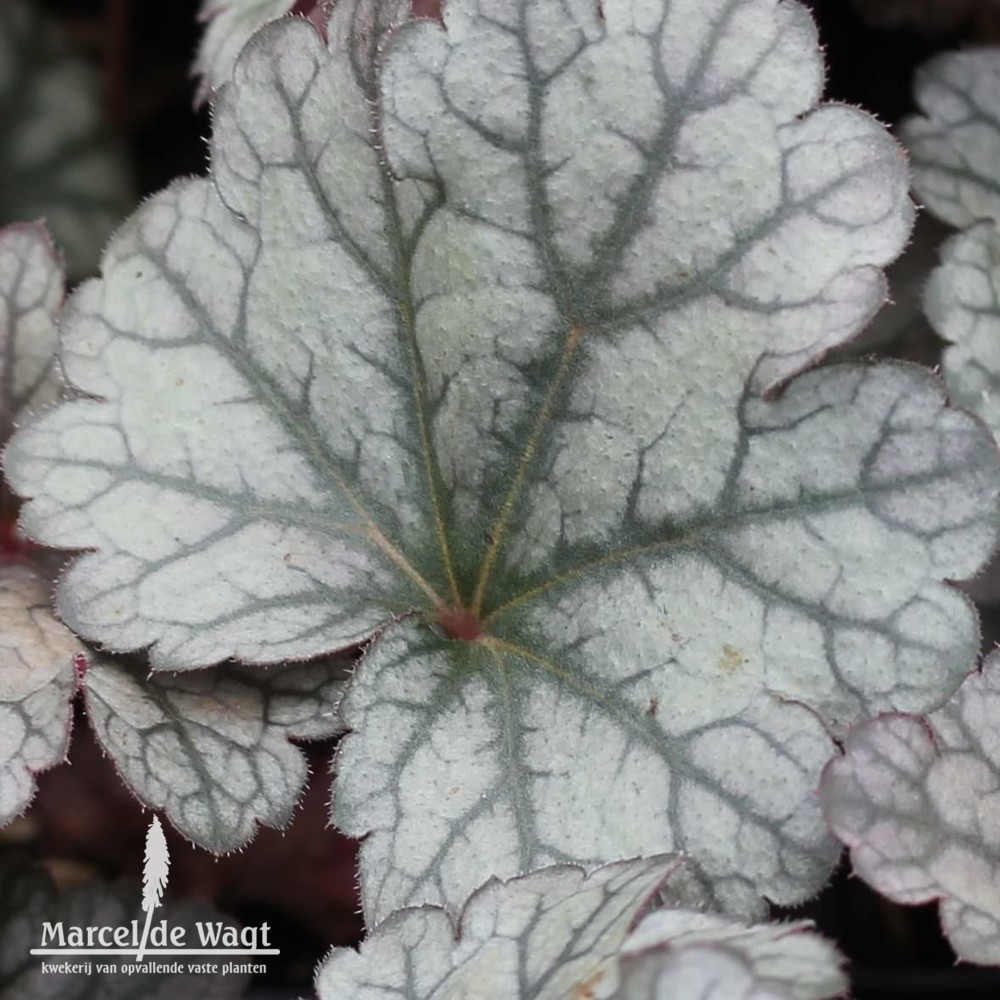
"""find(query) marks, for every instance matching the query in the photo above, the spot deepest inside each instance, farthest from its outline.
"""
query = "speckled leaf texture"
(556, 934)
(917, 801)
(212, 748)
(57, 160)
(28, 898)
(473, 348)
(37, 677)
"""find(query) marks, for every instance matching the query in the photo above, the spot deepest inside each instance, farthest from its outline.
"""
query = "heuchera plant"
(918, 800)
(480, 347)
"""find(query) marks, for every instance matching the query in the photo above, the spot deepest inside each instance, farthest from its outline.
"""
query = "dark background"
(86, 824)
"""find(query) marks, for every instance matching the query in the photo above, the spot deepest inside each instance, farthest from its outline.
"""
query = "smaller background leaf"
(211, 748)
(32, 286)
(37, 682)
(954, 145)
(918, 803)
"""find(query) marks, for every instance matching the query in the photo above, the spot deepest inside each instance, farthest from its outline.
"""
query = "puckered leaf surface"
(28, 899)
(211, 748)
(918, 803)
(56, 159)
(954, 145)
(37, 683)
(468, 342)
(556, 933)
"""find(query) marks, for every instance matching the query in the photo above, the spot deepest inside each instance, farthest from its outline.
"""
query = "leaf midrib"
(275, 402)
(403, 298)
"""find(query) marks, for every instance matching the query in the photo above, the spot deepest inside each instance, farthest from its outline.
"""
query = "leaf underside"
(32, 286)
(37, 684)
(37, 679)
(212, 748)
(956, 172)
(471, 342)
(962, 302)
(953, 144)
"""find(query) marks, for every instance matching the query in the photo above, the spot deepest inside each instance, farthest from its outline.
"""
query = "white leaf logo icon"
(154, 876)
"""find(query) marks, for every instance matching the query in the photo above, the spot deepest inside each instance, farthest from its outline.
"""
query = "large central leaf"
(479, 334)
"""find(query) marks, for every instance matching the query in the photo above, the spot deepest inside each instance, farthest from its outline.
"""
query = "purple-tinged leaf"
(918, 804)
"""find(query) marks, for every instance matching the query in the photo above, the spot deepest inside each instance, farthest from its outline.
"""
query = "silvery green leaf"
(549, 934)
(554, 934)
(682, 682)
(917, 801)
(474, 347)
(211, 749)
(678, 953)
(32, 285)
(28, 898)
(229, 25)
(37, 683)
(56, 159)
(955, 142)
(962, 301)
